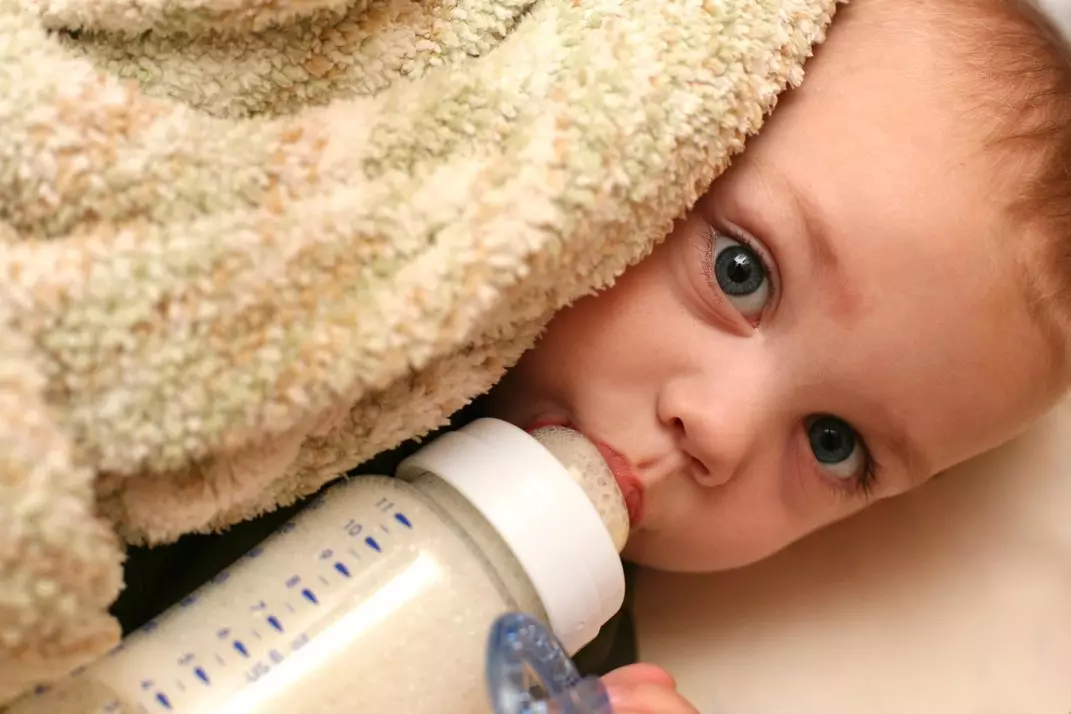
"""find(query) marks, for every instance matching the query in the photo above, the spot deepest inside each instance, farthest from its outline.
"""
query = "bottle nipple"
(583, 461)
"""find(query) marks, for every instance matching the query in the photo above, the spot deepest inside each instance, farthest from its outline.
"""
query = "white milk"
(379, 597)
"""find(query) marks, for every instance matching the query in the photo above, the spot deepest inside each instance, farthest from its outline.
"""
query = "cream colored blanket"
(246, 244)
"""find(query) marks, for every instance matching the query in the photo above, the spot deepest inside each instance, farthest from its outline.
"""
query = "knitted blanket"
(247, 244)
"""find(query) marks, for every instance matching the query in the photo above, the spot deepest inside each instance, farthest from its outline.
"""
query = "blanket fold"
(248, 244)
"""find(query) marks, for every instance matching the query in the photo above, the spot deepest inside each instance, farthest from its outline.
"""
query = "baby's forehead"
(962, 106)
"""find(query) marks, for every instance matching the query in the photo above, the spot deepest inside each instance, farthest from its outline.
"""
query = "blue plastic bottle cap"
(528, 672)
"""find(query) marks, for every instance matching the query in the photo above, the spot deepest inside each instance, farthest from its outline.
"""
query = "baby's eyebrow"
(813, 227)
(812, 219)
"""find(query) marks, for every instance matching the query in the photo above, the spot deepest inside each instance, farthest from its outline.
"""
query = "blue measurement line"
(342, 569)
(202, 675)
(403, 520)
(164, 701)
(310, 596)
(274, 622)
(372, 544)
(241, 648)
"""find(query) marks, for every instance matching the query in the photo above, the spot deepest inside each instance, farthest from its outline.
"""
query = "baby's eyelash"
(712, 233)
(755, 312)
(868, 479)
(864, 485)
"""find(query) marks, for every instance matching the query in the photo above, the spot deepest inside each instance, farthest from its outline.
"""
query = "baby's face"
(835, 322)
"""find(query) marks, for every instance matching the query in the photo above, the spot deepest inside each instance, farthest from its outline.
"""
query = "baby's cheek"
(736, 529)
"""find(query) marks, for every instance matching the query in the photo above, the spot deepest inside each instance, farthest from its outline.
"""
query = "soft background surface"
(247, 244)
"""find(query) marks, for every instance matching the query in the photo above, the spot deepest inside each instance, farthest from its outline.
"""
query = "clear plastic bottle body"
(376, 599)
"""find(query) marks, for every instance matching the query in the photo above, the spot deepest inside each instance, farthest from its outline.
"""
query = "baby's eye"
(837, 448)
(741, 275)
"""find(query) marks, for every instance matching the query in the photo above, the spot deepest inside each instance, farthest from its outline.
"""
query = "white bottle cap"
(541, 513)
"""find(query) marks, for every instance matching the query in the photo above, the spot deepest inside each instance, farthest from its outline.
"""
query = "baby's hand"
(645, 689)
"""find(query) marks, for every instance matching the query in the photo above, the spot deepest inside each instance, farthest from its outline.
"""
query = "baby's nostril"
(699, 468)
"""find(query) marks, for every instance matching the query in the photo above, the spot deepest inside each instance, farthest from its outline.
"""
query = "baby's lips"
(544, 423)
(627, 480)
(630, 485)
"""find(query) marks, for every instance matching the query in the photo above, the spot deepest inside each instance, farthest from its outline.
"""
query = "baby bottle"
(380, 596)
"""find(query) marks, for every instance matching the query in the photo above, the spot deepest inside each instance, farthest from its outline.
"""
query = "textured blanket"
(247, 244)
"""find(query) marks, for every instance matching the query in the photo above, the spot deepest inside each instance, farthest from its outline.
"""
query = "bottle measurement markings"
(199, 673)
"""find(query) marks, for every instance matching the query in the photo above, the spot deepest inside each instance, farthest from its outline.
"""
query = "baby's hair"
(1025, 64)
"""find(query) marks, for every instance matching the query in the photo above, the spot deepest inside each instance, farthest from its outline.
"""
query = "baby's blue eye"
(832, 440)
(836, 447)
(741, 275)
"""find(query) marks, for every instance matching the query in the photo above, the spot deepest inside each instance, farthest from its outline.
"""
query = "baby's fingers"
(643, 689)
(649, 699)
(636, 674)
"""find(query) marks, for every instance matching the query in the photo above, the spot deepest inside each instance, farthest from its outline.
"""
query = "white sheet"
(953, 600)
(1060, 10)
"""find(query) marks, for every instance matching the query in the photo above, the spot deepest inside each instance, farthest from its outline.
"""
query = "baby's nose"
(717, 436)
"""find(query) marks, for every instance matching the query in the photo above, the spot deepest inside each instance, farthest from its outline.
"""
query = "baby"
(876, 291)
